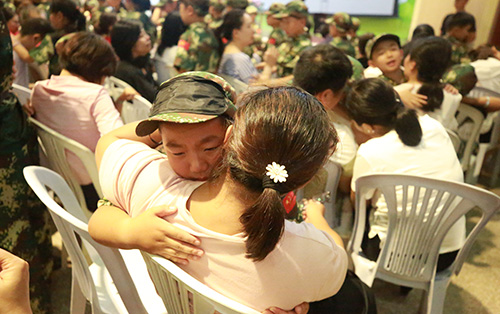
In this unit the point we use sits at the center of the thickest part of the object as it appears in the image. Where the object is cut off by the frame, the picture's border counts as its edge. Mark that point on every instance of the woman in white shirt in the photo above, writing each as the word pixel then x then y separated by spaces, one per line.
pixel 405 143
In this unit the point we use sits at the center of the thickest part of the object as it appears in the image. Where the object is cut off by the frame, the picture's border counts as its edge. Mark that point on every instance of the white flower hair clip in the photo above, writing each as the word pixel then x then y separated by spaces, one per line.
pixel 276 172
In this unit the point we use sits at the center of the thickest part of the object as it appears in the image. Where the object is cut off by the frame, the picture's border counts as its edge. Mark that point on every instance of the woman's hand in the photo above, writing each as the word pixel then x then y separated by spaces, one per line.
pixel 14 284
pixel 271 56
pixel 150 232
pixel 302 308
pixel 451 89
pixel 128 94
pixel 411 100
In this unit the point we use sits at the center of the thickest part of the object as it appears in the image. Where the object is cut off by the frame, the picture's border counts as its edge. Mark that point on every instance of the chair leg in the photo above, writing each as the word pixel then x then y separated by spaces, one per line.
pixel 78 301
pixel 437 293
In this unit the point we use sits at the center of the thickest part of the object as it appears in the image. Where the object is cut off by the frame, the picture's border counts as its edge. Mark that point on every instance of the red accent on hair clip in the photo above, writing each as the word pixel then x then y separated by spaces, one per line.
pixel 224 40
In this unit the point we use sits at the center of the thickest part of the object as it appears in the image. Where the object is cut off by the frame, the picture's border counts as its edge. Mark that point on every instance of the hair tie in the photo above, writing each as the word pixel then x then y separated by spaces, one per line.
pixel 275 174
pixel 224 40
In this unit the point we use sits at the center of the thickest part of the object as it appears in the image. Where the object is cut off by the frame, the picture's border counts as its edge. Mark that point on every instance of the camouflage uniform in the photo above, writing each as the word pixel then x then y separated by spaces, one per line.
pixel 237 4
pixel 44 51
pixel 357 70
pixel 462 77
pixel 197 49
pixel 289 51
pixel 343 23
pixel 24 227
pixel 213 23
pixel 277 37
pixel 391 81
pixel 459 50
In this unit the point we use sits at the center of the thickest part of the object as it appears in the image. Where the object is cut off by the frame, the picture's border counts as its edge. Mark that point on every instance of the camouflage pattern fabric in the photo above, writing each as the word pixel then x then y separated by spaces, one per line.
pixel 25 225
pixel 341 20
pixel 462 77
pixel 197 49
pixel 219 5
pixel 459 51
pixel 357 70
pixel 355 43
pixel 6 59
pixel 391 81
pixel 237 4
pixel 277 37
pixel 44 51
pixel 289 53
pixel 213 23
pixel 345 45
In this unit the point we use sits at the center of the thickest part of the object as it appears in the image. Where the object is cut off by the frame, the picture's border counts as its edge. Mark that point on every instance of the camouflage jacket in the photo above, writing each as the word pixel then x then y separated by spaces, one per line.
pixel 344 45
pixel 213 23
pixel 197 49
pixel 357 70
pixel 459 51
pixel 277 37
pixel 289 53
pixel 6 60
pixel 391 81
pixel 44 51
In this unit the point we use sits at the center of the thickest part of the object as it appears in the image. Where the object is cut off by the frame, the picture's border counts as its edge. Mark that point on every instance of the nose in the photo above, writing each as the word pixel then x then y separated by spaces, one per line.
pixel 198 165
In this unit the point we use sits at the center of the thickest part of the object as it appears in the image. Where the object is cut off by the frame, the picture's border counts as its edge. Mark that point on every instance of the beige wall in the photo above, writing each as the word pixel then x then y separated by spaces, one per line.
pixel 432 12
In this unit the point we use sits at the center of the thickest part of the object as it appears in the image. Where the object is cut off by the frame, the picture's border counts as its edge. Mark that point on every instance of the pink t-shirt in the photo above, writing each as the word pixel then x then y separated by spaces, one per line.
pixel 306 265
pixel 77 109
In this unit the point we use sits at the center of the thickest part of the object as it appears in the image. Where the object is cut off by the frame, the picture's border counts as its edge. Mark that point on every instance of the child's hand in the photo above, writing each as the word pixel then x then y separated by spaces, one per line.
pixel 150 232
pixel 411 100
pixel 313 209
pixel 14 284
pixel 302 308
pixel 451 89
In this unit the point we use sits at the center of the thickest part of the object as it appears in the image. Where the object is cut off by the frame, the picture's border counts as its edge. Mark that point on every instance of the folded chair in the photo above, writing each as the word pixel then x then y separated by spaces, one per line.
pixel 22 93
pixel 420 213
pixel 106 283
pixel 183 294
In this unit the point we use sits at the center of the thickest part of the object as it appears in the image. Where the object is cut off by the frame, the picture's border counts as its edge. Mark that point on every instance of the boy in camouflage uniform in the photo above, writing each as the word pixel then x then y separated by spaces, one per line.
pixel 384 52
pixel 236 4
pixel 278 35
pixel 215 13
pixel 198 49
pixel 340 23
pixel 353 36
pixel 24 227
pixel 457 33
pixel 294 23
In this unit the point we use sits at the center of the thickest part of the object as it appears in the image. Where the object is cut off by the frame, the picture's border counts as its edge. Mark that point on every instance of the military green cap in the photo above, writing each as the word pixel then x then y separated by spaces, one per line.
pixel 341 20
pixel 294 8
pixel 372 43
pixel 462 77
pixel 355 23
pixel 251 9
pixel 275 8
pixel 190 97
pixel 199 6
pixel 162 3
pixel 218 5
pixel 237 4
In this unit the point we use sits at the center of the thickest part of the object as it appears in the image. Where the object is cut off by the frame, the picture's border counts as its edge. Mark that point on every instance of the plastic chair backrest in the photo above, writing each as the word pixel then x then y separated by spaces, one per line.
pixel 69 222
pixel 334 170
pixel 455 140
pixel 183 294
pixel 55 145
pixel 22 93
pixel 136 110
pixel 469 113
pixel 115 86
pixel 420 213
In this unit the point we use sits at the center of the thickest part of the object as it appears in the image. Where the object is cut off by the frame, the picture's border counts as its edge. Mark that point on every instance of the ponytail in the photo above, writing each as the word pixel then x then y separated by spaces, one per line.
pixel 434 93
pixel 408 127
pixel 263 223
pixel 80 21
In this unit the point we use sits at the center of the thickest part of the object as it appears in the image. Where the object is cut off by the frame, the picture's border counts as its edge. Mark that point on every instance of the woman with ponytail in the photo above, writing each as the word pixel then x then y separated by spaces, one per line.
pixel 402 141
pixel 280 138
pixel 424 66
pixel 235 34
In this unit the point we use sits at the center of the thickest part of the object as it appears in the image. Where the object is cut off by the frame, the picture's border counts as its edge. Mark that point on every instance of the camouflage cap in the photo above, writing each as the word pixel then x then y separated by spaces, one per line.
pixel 462 76
pixel 275 8
pixel 372 43
pixel 356 23
pixel 218 5
pixel 294 8
pixel 237 4
pixel 341 20
pixel 190 97
pixel 251 9
pixel 199 6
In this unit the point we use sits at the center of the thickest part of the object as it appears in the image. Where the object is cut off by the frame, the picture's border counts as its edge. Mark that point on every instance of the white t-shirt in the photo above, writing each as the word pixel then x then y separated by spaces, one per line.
pixel 345 151
pixel 306 264
pixel 22 76
pixel 434 157
pixel 488 73
pixel 449 106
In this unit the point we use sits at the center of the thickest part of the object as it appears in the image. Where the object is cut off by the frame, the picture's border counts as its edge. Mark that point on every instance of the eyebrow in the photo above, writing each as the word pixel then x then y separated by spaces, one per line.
pixel 173 144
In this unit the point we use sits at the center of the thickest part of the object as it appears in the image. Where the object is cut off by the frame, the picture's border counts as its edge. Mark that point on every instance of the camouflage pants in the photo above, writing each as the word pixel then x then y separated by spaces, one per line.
pixel 25 226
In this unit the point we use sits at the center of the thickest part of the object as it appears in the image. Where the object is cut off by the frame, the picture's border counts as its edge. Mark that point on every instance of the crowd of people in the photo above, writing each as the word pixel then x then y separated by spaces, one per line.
pixel 223 161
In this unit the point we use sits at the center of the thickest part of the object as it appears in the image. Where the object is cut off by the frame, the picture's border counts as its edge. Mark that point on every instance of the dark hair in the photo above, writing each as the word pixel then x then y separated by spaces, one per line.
pixel 422 30
pixel 68 8
pixel 36 26
pixel 232 20
pixel 200 6
pixel 124 35
pixel 171 31
pixel 141 5
pixel 8 13
pixel 432 56
pixel 461 19
pixel 363 40
pixel 89 56
pixel 482 52
pixel 284 125
pixel 25 12
pixel 106 22
pixel 375 102
pixel 322 67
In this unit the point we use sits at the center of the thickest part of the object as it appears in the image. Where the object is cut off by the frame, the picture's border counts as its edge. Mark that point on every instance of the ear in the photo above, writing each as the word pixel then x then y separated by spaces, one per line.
pixel 411 65
pixel 370 63
pixel 37 38
pixel 323 97
pixel 366 128
pixel 229 131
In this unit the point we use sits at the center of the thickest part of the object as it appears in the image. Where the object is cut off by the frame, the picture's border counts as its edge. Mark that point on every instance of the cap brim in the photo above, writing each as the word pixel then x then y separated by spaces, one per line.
pixel 281 15
pixel 384 38
pixel 148 126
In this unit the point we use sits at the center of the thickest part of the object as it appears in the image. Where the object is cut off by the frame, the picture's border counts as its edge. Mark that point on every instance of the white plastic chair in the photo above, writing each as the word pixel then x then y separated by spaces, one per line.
pixel 467 113
pixel 136 110
pixel 115 86
pixel 455 140
pixel 238 85
pixel 332 215
pixel 418 221
pixel 183 294
pixel 55 146
pixel 106 283
pixel 22 93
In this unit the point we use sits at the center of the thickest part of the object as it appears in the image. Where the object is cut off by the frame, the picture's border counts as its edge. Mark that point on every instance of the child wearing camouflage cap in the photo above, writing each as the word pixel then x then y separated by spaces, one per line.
pixel 277 35
pixel 198 49
pixel 340 24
